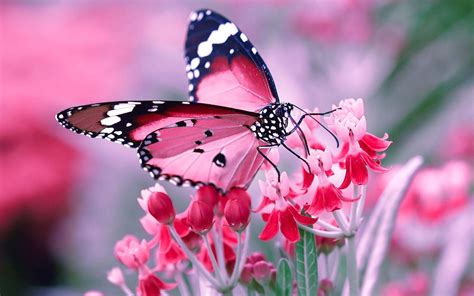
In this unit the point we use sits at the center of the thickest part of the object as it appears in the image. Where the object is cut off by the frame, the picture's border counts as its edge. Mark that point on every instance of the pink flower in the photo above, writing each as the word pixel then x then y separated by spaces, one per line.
pixel 131 252
pixel 115 276
pixel 237 209
pixel 151 285
pixel 256 267
pixel 328 197
pixel 200 217
pixel 415 283
pixel 161 207
pixel 437 192
pixel 359 149
pixel 282 216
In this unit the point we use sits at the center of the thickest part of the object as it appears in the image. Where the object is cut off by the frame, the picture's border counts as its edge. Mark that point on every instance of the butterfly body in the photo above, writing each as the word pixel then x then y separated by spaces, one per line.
pixel 272 123
pixel 215 138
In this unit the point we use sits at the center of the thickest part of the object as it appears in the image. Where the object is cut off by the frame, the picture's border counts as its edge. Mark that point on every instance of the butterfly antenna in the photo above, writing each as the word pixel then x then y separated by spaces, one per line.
pixel 322 125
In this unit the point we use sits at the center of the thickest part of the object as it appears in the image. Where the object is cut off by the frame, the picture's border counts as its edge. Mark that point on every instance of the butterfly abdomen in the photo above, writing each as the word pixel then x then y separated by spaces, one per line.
pixel 272 123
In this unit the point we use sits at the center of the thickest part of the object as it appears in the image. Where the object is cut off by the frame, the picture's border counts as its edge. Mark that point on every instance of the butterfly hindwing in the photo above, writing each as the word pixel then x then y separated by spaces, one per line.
pixel 213 151
pixel 129 123
pixel 223 67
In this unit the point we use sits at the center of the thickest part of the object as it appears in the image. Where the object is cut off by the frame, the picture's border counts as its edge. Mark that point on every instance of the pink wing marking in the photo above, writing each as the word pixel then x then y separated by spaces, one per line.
pixel 237 83
pixel 227 158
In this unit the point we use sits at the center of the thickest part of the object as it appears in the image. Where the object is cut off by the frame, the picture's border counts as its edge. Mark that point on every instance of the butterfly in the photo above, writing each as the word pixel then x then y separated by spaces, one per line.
pixel 222 135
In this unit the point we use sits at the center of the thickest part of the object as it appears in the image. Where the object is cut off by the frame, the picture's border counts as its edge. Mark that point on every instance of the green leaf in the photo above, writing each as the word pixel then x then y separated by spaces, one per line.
pixel 306 264
pixel 284 282
pixel 257 287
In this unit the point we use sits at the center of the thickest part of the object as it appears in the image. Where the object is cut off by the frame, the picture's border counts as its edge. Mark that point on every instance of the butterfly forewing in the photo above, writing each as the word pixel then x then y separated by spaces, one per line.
pixel 128 123
pixel 223 67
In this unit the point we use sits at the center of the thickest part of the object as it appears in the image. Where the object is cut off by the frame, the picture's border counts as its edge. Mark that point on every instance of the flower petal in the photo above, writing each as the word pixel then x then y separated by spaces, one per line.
pixel 288 226
pixel 271 229
pixel 300 218
pixel 359 173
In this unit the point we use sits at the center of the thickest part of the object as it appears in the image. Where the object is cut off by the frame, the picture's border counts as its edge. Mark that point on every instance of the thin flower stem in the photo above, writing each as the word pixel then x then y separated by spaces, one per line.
pixel 353 222
pixel 126 290
pixel 216 268
pixel 352 272
pixel 183 289
pixel 199 267
pixel 341 220
pixel 327 225
pixel 335 267
pixel 236 271
pixel 326 264
pixel 322 233
pixel 219 245
pixel 361 203
pixel 244 250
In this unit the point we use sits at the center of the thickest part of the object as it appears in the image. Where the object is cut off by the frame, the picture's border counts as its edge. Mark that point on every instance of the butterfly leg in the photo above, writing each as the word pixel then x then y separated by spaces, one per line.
pixel 268 159
pixel 297 155
pixel 301 135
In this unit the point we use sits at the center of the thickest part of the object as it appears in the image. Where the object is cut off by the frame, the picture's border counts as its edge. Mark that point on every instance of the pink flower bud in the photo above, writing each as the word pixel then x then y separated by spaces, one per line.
pixel 237 210
pixel 115 276
pixel 161 207
pixel 246 276
pixel 208 194
pixel 325 287
pixel 200 217
pixel 262 271
pixel 132 253
pixel 255 257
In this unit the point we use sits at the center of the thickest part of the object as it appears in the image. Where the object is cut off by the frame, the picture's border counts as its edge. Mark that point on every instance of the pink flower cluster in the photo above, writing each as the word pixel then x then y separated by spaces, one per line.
pixel 211 233
pixel 286 203
pixel 207 230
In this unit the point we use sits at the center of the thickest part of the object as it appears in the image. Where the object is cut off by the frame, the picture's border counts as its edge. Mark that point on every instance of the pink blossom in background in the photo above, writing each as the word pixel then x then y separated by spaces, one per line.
pixel 43 70
pixel 416 283
pixel 337 21
pixel 47 69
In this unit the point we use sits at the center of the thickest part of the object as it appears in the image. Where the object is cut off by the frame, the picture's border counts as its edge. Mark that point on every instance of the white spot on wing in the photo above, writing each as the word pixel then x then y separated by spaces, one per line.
pixel 107 130
pixel 194 63
pixel 219 36
pixel 120 111
pixel 243 37
pixel 110 120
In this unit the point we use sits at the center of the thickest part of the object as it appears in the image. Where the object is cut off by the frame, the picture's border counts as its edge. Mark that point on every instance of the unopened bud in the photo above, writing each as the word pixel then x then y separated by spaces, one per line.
pixel 237 210
pixel 200 217
pixel 161 207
